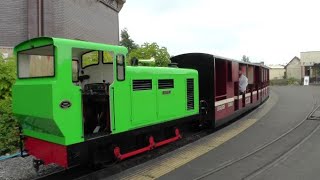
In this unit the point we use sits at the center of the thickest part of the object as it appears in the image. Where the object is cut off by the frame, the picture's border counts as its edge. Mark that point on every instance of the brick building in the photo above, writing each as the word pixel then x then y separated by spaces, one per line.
pixel 91 20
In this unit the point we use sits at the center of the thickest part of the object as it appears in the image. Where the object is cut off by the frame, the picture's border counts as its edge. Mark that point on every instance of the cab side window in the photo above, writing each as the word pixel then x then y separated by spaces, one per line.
pixel 120 67
pixel 75 70
pixel 107 57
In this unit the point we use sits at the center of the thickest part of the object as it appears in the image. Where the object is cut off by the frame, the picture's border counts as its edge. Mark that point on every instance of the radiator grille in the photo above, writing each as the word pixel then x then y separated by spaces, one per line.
pixel 190 94
pixel 165 83
pixel 139 85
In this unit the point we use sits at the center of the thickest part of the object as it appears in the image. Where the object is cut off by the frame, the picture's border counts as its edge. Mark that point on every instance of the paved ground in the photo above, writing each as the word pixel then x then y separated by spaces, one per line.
pixel 235 152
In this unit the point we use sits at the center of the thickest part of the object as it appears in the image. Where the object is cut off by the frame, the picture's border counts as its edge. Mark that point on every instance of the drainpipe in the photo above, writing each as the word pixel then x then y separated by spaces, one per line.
pixel 40 17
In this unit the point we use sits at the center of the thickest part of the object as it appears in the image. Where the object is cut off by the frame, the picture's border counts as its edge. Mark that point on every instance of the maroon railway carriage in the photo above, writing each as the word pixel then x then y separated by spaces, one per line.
pixel 219 85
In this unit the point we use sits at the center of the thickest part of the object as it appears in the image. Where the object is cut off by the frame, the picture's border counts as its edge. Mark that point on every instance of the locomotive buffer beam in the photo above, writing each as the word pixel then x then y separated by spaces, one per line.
pixel 152 145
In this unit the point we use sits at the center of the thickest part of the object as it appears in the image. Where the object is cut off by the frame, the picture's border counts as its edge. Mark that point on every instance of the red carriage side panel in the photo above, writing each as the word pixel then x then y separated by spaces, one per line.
pixel 243 99
pixel 251 87
pixel 224 94
pixel 225 101
pixel 231 69
pixel 220 88
pixel 261 83
pixel 255 93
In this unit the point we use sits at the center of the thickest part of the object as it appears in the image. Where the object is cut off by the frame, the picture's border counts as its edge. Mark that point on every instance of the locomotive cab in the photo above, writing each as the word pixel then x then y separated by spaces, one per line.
pixel 93 73
pixel 64 92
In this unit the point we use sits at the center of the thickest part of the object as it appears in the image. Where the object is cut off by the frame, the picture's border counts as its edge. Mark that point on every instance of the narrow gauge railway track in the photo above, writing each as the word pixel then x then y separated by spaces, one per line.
pixel 279 158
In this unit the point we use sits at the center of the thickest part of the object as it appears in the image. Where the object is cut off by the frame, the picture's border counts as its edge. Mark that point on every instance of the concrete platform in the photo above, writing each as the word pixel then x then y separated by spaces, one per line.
pixel 257 146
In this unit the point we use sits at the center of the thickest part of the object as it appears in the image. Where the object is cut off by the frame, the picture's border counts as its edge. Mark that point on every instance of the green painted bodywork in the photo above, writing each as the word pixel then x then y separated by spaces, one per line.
pixel 36 101
pixel 149 107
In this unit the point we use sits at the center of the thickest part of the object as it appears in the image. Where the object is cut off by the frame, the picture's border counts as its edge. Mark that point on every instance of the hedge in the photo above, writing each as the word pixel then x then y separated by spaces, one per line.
pixel 9 131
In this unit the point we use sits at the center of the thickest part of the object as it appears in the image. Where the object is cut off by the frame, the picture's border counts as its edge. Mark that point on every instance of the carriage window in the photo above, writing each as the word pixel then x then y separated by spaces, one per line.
pixel 90 58
pixel 107 57
pixel 75 71
pixel 36 62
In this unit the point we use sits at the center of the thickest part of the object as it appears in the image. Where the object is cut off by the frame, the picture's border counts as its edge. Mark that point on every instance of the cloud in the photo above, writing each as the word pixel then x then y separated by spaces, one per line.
pixel 271 31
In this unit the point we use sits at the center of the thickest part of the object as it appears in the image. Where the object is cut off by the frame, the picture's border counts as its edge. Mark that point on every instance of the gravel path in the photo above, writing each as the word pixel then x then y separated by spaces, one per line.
pixel 22 169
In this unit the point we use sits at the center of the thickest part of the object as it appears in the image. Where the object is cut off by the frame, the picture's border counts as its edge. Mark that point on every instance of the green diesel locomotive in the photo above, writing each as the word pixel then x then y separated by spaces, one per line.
pixel 79 102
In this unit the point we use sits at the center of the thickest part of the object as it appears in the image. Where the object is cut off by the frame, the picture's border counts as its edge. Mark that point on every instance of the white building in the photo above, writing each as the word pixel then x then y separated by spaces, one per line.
pixel 294 68
pixel 309 60
pixel 276 71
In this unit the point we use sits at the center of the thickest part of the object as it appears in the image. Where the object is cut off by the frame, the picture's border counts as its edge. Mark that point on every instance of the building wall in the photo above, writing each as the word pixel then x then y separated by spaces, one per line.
pixel 309 58
pixel 276 73
pixel 293 69
pixel 81 19
pixel 74 19
pixel 13 22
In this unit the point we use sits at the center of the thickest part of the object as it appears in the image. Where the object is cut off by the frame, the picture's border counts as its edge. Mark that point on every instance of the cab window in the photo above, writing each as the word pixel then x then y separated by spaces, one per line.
pixel 108 57
pixel 36 62
pixel 90 58
pixel 120 67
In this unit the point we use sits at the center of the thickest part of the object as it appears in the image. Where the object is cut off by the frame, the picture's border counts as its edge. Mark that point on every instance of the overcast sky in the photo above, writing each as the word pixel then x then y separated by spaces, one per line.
pixel 273 31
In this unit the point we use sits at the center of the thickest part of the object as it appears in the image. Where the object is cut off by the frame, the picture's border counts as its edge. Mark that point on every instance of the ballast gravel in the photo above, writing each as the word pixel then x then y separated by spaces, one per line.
pixel 21 169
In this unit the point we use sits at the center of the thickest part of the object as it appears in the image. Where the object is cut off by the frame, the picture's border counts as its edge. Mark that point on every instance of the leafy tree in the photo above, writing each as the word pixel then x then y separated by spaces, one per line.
pixel 245 58
pixel 7 76
pixel 148 51
pixel 9 139
pixel 127 41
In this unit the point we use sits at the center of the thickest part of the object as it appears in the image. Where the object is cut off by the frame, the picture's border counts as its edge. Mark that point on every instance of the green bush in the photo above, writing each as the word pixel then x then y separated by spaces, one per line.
pixel 293 81
pixel 284 82
pixel 9 133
